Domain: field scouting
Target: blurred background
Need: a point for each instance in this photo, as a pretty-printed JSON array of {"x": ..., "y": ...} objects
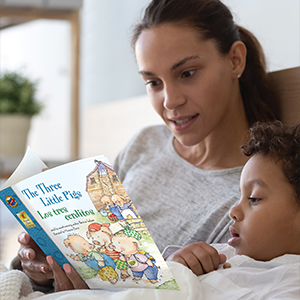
[{"x": 78, "y": 52}]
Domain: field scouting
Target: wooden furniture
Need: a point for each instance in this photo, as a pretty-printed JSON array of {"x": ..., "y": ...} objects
[{"x": 286, "y": 85}]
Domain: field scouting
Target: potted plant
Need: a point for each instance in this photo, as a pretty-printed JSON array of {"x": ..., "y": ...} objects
[{"x": 17, "y": 106}]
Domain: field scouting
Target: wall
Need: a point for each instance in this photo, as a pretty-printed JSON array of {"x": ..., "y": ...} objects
[
  {"x": 108, "y": 69},
  {"x": 276, "y": 24}
]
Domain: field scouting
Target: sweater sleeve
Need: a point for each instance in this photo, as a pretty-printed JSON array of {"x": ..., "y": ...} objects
[{"x": 49, "y": 288}]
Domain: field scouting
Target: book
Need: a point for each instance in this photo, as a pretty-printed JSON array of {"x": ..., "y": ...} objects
[{"x": 81, "y": 214}]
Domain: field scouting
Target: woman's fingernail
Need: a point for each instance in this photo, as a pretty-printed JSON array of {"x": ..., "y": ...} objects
[
  {"x": 50, "y": 260},
  {"x": 67, "y": 268},
  {"x": 23, "y": 240},
  {"x": 28, "y": 256}
]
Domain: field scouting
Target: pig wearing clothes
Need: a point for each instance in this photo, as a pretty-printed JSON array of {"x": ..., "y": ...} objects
[
  {"x": 139, "y": 263},
  {"x": 98, "y": 261},
  {"x": 102, "y": 235}
]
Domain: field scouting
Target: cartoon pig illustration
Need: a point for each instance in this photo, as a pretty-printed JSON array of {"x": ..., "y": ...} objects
[
  {"x": 98, "y": 261},
  {"x": 114, "y": 213},
  {"x": 102, "y": 235},
  {"x": 139, "y": 263},
  {"x": 124, "y": 208}
]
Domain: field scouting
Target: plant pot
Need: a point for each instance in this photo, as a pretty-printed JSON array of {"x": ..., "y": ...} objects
[{"x": 14, "y": 130}]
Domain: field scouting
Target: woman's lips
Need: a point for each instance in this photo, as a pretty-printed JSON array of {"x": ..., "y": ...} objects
[
  {"x": 235, "y": 237},
  {"x": 182, "y": 123}
]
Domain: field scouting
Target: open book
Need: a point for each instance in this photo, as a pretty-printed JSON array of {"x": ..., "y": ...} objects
[{"x": 81, "y": 214}]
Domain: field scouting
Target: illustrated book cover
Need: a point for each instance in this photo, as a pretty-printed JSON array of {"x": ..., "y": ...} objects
[{"x": 81, "y": 214}]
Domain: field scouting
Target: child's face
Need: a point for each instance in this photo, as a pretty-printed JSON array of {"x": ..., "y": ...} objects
[{"x": 267, "y": 218}]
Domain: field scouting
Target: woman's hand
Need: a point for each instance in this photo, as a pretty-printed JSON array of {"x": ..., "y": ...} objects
[
  {"x": 67, "y": 278},
  {"x": 200, "y": 257},
  {"x": 33, "y": 261}
]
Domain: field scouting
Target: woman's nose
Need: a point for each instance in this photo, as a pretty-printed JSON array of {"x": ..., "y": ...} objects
[{"x": 172, "y": 98}]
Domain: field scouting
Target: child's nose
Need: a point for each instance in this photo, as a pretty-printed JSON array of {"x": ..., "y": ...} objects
[{"x": 236, "y": 213}]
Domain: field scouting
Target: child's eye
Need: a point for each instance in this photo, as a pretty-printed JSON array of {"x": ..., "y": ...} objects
[
  {"x": 254, "y": 200},
  {"x": 188, "y": 73}
]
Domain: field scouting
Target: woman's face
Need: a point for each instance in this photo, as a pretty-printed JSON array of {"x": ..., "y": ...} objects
[{"x": 191, "y": 85}]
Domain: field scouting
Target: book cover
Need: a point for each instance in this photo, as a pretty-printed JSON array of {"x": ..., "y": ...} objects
[{"x": 81, "y": 214}]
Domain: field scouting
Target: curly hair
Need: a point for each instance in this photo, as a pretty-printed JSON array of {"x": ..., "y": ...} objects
[{"x": 280, "y": 143}]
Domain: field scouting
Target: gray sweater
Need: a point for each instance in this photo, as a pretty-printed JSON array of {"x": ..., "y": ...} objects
[{"x": 179, "y": 203}]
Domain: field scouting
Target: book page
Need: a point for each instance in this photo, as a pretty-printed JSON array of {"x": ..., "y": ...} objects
[
  {"x": 85, "y": 210},
  {"x": 30, "y": 165}
]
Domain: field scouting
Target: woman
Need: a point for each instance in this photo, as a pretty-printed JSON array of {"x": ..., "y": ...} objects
[
  {"x": 208, "y": 86},
  {"x": 206, "y": 78}
]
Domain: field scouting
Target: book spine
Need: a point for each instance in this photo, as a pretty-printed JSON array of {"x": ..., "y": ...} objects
[{"x": 25, "y": 218}]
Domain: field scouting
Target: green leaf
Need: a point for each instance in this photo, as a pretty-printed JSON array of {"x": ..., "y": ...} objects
[{"x": 18, "y": 95}]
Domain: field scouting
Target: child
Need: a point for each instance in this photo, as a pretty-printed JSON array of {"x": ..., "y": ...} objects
[{"x": 265, "y": 240}]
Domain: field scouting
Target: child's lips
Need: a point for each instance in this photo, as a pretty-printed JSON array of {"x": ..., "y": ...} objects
[{"x": 235, "y": 237}]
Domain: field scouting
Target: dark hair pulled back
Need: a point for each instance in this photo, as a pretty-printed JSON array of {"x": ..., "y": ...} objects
[{"x": 214, "y": 21}]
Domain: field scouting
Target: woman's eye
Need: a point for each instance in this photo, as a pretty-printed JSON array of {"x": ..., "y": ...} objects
[
  {"x": 186, "y": 74},
  {"x": 153, "y": 83}
]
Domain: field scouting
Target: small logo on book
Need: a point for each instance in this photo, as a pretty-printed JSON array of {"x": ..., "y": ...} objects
[
  {"x": 25, "y": 219},
  {"x": 11, "y": 201}
]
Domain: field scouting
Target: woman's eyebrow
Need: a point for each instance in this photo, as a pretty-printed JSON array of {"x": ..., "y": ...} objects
[
  {"x": 174, "y": 67},
  {"x": 183, "y": 61},
  {"x": 146, "y": 73}
]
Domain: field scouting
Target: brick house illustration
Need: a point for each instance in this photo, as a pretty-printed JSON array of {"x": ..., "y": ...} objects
[
  {"x": 102, "y": 184},
  {"x": 104, "y": 181}
]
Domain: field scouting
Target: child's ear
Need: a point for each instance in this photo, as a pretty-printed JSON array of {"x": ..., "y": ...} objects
[{"x": 237, "y": 55}]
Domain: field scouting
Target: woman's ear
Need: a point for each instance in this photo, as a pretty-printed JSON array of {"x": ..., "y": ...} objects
[{"x": 237, "y": 55}]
